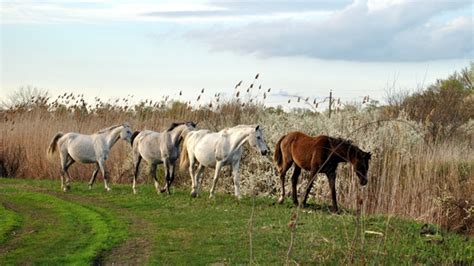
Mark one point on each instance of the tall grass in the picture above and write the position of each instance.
(408, 176)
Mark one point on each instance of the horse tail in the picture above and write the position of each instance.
(184, 157)
(54, 144)
(277, 156)
(134, 135)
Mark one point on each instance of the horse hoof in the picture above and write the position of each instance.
(194, 194)
(280, 200)
(163, 190)
(107, 189)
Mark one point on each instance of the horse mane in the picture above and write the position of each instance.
(176, 124)
(134, 135)
(344, 143)
(238, 126)
(108, 129)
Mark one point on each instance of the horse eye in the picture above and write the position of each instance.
(258, 137)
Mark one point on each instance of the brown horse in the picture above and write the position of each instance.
(320, 154)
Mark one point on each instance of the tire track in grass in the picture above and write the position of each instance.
(57, 231)
(9, 221)
(138, 247)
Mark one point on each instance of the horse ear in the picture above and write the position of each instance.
(125, 124)
(257, 128)
(369, 155)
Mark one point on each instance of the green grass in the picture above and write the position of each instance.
(9, 220)
(85, 226)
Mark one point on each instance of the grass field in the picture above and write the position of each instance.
(40, 224)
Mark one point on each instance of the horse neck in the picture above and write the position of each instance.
(185, 132)
(238, 136)
(345, 151)
(112, 136)
(176, 134)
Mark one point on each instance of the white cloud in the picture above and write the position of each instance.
(362, 31)
(173, 11)
(93, 11)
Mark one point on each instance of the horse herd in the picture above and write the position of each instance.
(204, 148)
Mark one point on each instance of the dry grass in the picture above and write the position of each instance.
(408, 176)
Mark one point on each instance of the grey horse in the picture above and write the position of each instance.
(159, 148)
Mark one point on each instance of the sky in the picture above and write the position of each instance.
(150, 49)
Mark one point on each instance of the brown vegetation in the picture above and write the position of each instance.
(422, 167)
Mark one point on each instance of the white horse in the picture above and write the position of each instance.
(157, 148)
(217, 149)
(95, 148)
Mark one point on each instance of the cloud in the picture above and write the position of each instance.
(362, 31)
(26, 12)
(352, 30)
(173, 11)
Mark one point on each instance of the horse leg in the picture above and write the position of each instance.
(294, 183)
(196, 180)
(332, 185)
(105, 174)
(283, 171)
(313, 175)
(191, 173)
(69, 162)
(167, 166)
(63, 172)
(153, 174)
(137, 161)
(94, 175)
(216, 177)
(235, 173)
(172, 169)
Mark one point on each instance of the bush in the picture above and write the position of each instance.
(442, 108)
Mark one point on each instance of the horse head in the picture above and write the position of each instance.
(362, 166)
(126, 133)
(191, 125)
(257, 141)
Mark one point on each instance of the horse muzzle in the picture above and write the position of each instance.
(265, 152)
(364, 181)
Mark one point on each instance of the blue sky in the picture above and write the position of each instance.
(155, 48)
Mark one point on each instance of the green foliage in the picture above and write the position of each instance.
(443, 107)
(87, 226)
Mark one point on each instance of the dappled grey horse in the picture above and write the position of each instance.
(159, 148)
(94, 148)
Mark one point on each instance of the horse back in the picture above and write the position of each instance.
(306, 151)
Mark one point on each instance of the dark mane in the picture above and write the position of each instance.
(341, 141)
(134, 135)
(175, 125)
(345, 144)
